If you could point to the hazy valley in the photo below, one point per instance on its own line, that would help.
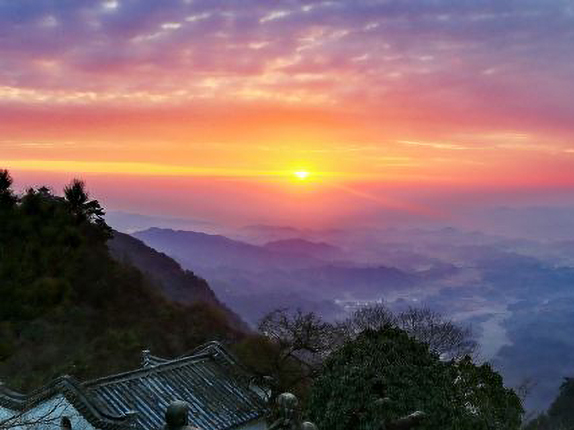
(515, 292)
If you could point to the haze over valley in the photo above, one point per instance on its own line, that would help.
(514, 290)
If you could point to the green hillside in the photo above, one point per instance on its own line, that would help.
(68, 306)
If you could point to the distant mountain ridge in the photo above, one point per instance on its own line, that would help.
(202, 250)
(300, 246)
(295, 272)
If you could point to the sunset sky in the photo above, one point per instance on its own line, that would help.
(206, 108)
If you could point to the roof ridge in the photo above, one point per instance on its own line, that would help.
(24, 398)
(10, 394)
(158, 368)
(206, 350)
(219, 347)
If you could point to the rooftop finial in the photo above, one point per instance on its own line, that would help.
(288, 415)
(146, 358)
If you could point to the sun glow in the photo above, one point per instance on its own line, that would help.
(301, 174)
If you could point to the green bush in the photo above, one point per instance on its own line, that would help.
(388, 363)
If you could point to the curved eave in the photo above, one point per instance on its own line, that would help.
(73, 392)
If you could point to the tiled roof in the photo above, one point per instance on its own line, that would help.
(208, 379)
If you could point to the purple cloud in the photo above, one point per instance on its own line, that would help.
(509, 56)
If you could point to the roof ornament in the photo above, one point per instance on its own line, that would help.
(177, 416)
(146, 358)
(288, 415)
(131, 418)
(65, 423)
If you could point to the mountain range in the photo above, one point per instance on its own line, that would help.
(255, 279)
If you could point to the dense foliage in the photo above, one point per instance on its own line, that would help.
(388, 363)
(560, 416)
(68, 307)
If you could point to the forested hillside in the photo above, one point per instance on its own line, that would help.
(177, 284)
(69, 307)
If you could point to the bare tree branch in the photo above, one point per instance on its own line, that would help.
(25, 419)
(444, 337)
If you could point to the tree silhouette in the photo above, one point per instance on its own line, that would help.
(290, 350)
(5, 181)
(444, 337)
(84, 209)
(7, 197)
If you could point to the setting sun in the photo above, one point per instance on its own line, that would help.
(301, 174)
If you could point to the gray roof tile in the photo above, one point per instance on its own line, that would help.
(209, 379)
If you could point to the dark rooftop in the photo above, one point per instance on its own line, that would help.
(209, 379)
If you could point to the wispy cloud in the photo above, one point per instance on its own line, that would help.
(435, 145)
(440, 49)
